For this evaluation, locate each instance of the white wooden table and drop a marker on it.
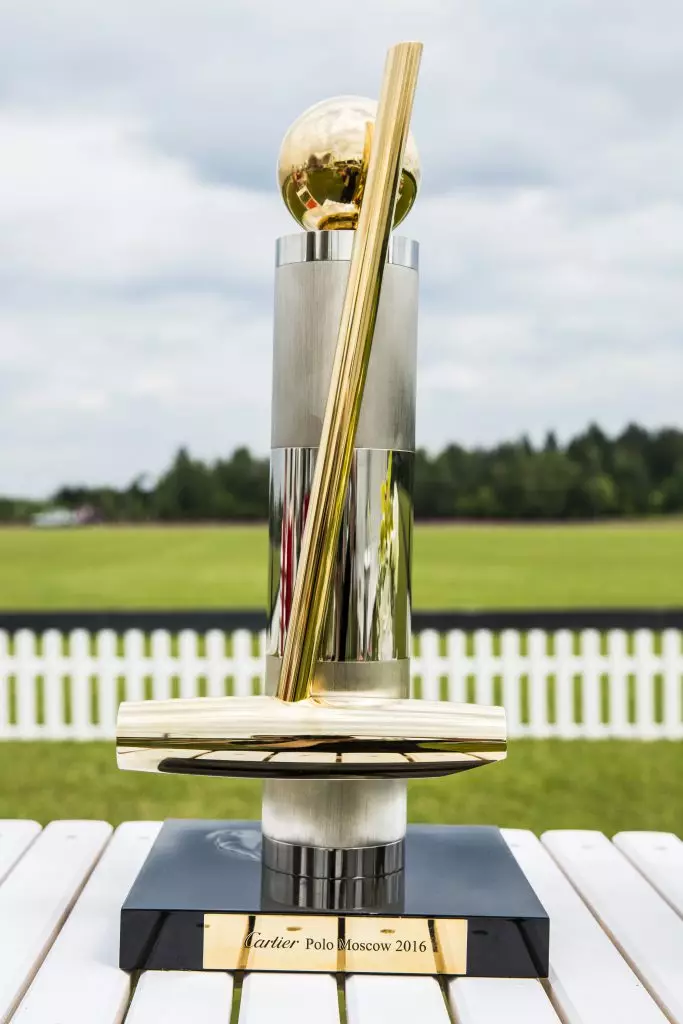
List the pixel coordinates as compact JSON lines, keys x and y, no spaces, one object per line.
{"x":616,"y":912}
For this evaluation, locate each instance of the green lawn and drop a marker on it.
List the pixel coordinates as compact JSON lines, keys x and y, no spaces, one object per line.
{"x":609,"y":785}
{"x":454,"y":566}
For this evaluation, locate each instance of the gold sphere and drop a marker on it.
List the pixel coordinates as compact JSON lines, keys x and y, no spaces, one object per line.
{"x":323,"y":161}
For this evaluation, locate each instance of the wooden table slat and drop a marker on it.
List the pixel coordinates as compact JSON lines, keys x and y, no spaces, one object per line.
{"x":639,"y":921}
{"x":181,"y":997}
{"x":590,"y":981}
{"x":289,"y":999}
{"x":80,"y":981}
{"x":658,"y":856}
{"x":15,"y":838}
{"x":402,"y":1000}
{"x":36,"y":897}
{"x":512,"y":1000}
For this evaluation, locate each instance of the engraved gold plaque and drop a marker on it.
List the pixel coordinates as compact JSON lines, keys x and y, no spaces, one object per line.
{"x":327,"y":944}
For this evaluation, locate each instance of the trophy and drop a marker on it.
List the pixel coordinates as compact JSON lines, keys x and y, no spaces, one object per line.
{"x":333,"y":879}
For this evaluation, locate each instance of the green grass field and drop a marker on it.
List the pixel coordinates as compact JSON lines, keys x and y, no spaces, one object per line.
{"x":525,"y":566}
{"x":609,"y":785}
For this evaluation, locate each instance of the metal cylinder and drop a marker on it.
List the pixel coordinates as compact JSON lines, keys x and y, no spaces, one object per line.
{"x":366,"y":647}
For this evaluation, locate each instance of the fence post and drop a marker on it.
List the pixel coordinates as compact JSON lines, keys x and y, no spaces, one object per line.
{"x":53,"y":689}
{"x":79,"y":652}
{"x":134,"y":663}
{"x":162,"y":664}
{"x":25,"y":685}
{"x":510,"y":672}
{"x":456,"y":665}
{"x":215,"y":662}
{"x":617,"y":661}
{"x":590,"y":672}
{"x":483,"y":667}
{"x":241,"y":658}
{"x":189,"y":663}
{"x":107,"y":682}
{"x":645,"y":693}
{"x":431,"y":664}
{"x":564,"y":684}
{"x":672,"y":664}
{"x":538,"y":696}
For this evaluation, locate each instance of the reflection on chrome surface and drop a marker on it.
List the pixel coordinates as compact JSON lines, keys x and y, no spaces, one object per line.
{"x":369,"y":614}
{"x":326,"y":246}
{"x":372,"y":892}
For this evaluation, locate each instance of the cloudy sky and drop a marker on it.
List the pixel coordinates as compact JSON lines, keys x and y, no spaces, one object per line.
{"x":138,"y":212}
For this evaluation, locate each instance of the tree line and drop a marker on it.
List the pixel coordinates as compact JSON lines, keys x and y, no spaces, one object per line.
{"x":636,"y":473}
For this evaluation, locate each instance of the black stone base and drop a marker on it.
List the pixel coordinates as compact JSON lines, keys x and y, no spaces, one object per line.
{"x":462,"y":905}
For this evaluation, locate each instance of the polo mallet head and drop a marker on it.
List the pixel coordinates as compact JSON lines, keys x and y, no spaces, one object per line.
{"x":340,"y":737}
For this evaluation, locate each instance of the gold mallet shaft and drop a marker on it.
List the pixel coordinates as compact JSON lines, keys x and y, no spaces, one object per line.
{"x":352,"y":354}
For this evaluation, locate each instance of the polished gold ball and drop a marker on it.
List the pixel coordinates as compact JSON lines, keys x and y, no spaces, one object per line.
{"x":322,"y":164}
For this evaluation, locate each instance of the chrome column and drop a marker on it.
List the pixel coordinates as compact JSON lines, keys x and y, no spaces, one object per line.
{"x":367,"y":642}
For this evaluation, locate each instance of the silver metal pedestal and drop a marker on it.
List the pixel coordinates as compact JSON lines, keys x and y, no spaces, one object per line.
{"x":367,"y":643}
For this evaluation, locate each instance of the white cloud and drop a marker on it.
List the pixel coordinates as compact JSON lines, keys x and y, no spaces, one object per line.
{"x":88,"y":201}
{"x":138,"y":211}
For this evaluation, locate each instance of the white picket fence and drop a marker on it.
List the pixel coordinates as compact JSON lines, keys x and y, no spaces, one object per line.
{"x":587,"y":684}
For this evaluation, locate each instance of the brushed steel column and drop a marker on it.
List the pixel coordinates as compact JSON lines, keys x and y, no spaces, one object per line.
{"x":367,"y":641}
